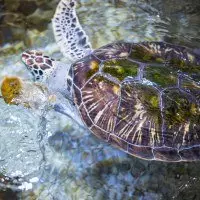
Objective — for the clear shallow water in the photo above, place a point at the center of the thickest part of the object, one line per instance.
(57, 159)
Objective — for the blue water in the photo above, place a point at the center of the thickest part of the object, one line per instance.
(55, 158)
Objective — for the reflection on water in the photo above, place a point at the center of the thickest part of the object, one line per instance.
(70, 163)
(112, 20)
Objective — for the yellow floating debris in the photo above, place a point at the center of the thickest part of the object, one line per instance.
(10, 89)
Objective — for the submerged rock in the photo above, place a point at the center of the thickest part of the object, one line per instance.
(24, 15)
(9, 188)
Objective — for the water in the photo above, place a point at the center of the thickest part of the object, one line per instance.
(53, 158)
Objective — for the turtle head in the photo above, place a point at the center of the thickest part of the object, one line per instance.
(11, 89)
(31, 57)
(40, 66)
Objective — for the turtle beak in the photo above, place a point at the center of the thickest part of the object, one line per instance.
(10, 89)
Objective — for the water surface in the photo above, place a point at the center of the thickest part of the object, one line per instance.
(54, 158)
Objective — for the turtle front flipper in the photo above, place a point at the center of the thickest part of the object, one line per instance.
(68, 32)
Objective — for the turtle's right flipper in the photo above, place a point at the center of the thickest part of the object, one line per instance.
(68, 32)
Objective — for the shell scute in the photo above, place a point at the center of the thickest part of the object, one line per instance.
(100, 133)
(118, 142)
(77, 96)
(84, 114)
(191, 87)
(115, 50)
(161, 52)
(168, 154)
(190, 154)
(181, 116)
(161, 76)
(138, 119)
(141, 151)
(120, 68)
(101, 101)
(84, 69)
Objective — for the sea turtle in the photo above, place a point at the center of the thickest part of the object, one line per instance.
(143, 97)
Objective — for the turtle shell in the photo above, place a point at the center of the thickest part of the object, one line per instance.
(143, 98)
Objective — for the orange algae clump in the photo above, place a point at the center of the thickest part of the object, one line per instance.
(10, 89)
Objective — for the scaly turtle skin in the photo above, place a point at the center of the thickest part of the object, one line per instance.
(143, 98)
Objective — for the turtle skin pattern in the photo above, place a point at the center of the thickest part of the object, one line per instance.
(143, 98)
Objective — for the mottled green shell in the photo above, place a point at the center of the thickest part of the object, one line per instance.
(143, 98)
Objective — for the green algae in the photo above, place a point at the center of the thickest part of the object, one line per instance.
(191, 87)
(179, 109)
(143, 55)
(162, 76)
(150, 100)
(154, 101)
(120, 68)
(100, 78)
(187, 67)
(90, 73)
(92, 69)
(148, 96)
(159, 60)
